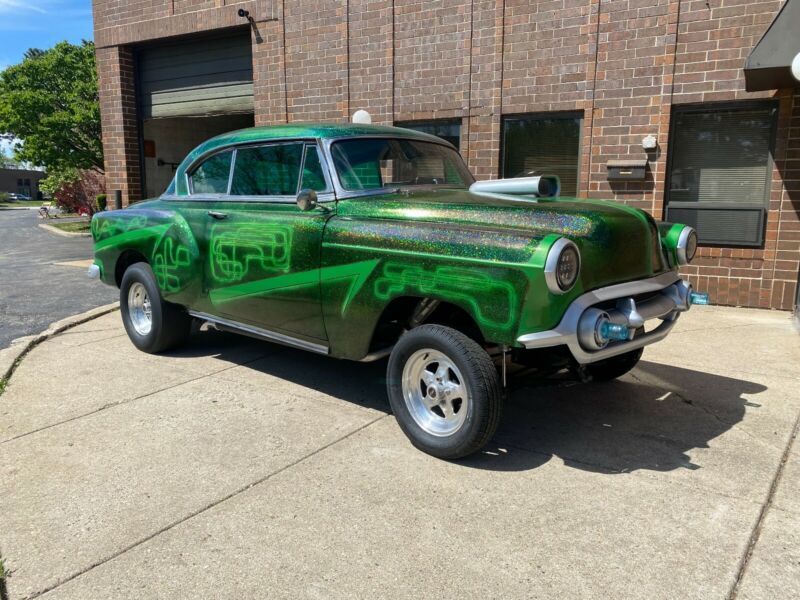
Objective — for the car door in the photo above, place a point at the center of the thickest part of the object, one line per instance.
(263, 252)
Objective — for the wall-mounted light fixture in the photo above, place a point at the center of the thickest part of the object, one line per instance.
(361, 116)
(650, 142)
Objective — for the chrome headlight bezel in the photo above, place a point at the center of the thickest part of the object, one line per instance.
(551, 265)
(686, 248)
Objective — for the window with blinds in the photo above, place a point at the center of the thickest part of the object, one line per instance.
(447, 129)
(720, 172)
(543, 145)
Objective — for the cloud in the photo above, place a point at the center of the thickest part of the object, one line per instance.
(16, 7)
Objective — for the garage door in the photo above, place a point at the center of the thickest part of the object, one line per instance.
(197, 78)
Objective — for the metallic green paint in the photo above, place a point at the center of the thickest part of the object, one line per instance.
(305, 131)
(670, 233)
(327, 275)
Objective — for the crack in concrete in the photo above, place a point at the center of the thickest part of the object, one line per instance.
(142, 396)
(205, 508)
(755, 535)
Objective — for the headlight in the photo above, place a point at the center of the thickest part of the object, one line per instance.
(562, 266)
(686, 246)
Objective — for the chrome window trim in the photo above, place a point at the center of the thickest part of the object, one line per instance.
(323, 165)
(343, 193)
(329, 195)
(197, 163)
(322, 198)
(236, 148)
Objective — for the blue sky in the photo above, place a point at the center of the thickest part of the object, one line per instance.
(40, 24)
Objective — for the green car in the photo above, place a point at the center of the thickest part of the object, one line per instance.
(361, 242)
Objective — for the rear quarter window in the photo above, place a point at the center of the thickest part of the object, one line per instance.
(213, 175)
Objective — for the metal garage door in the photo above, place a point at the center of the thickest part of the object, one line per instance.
(197, 78)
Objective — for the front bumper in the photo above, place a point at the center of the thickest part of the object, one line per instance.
(631, 304)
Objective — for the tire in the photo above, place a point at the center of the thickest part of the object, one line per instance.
(469, 411)
(168, 325)
(616, 366)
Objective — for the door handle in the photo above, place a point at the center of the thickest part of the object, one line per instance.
(217, 215)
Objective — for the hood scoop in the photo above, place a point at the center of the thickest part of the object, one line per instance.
(545, 186)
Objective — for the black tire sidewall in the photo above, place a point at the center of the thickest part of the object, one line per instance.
(463, 441)
(142, 273)
(617, 366)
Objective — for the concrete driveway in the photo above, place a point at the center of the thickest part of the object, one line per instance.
(42, 276)
(238, 469)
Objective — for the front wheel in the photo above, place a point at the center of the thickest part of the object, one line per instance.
(153, 325)
(616, 366)
(444, 391)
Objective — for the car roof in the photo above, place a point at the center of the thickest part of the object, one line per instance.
(307, 131)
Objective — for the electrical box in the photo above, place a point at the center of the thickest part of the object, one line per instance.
(626, 170)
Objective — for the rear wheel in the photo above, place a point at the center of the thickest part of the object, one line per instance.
(153, 325)
(444, 391)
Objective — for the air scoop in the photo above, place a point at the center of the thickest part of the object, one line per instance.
(545, 186)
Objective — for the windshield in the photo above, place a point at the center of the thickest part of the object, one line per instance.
(369, 163)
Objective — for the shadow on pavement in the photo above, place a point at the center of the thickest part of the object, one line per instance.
(649, 420)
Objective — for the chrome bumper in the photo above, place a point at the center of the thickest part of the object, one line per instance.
(577, 329)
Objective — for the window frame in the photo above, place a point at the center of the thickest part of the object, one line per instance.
(547, 115)
(763, 206)
(326, 196)
(199, 163)
(343, 193)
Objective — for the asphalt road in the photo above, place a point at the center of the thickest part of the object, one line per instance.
(34, 290)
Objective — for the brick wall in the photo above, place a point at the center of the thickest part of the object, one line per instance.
(432, 57)
(623, 64)
(371, 53)
(316, 60)
(115, 67)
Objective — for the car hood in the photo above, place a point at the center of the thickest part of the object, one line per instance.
(617, 242)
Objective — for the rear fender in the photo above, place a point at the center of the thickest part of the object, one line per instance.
(163, 237)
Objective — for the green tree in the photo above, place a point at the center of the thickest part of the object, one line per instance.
(49, 102)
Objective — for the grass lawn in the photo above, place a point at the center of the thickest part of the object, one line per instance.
(6, 204)
(72, 226)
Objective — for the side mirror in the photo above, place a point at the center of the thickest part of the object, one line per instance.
(307, 200)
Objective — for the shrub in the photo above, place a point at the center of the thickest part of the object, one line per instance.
(75, 190)
(101, 202)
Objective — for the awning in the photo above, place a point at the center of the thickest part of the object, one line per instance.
(769, 65)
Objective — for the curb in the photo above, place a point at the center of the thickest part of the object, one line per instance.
(10, 357)
(57, 231)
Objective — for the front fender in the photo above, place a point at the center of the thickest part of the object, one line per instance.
(369, 263)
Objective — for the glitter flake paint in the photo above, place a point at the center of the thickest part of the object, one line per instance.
(327, 275)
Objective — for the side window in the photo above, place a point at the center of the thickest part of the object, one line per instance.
(272, 170)
(313, 177)
(212, 176)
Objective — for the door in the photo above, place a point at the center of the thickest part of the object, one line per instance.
(197, 77)
(263, 252)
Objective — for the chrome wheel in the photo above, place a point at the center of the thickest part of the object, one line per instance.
(435, 392)
(140, 311)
